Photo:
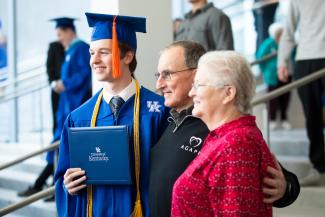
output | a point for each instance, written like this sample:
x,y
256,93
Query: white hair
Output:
x,y
274,29
229,67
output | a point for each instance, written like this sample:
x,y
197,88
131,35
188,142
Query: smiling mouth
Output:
x,y
100,67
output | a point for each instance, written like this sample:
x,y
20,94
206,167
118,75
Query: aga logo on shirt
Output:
x,y
193,145
153,106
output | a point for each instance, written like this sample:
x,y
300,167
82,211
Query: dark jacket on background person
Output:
x,y
55,58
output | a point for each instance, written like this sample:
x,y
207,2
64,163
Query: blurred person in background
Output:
x,y
270,76
307,18
55,58
3,56
264,15
176,24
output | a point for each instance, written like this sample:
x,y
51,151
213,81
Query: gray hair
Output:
x,y
232,68
192,51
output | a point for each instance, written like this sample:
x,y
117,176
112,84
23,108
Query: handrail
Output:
x,y
25,78
53,146
23,93
32,69
295,84
264,58
40,195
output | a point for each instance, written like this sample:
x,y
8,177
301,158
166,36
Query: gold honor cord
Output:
x,y
137,212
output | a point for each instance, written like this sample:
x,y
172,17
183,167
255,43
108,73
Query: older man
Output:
x,y
182,140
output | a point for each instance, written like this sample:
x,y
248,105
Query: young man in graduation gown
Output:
x,y
183,139
121,102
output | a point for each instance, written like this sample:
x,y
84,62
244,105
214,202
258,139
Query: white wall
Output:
x,y
159,32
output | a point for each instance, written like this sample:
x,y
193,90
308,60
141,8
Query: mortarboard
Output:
x,y
118,28
64,22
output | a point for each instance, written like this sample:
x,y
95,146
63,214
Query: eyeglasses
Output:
x,y
196,86
167,74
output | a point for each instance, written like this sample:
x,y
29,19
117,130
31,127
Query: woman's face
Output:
x,y
208,94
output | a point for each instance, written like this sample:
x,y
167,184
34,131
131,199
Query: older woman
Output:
x,y
226,178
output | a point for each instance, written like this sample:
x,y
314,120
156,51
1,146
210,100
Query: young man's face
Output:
x,y
175,88
101,59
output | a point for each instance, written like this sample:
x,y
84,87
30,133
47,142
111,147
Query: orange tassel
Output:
x,y
115,52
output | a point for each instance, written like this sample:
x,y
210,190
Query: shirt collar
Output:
x,y
247,120
198,11
73,42
126,93
178,117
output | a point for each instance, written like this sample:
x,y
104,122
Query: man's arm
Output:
x,y
222,37
282,188
292,190
287,41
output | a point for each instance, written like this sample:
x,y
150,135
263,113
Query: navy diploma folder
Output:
x,y
103,152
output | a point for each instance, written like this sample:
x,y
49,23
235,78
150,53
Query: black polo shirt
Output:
x,y
177,147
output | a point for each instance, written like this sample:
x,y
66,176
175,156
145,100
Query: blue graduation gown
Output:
x,y
108,200
76,77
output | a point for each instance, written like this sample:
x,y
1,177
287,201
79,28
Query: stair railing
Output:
x,y
51,147
33,198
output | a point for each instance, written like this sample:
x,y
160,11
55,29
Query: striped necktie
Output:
x,y
115,103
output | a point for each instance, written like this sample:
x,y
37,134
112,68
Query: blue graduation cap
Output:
x,y
118,28
65,22
126,27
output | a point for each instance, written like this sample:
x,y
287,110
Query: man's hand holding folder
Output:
x,y
74,180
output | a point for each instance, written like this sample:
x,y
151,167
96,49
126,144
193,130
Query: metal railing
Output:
x,y
51,147
280,91
293,85
30,74
23,92
263,59
35,197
